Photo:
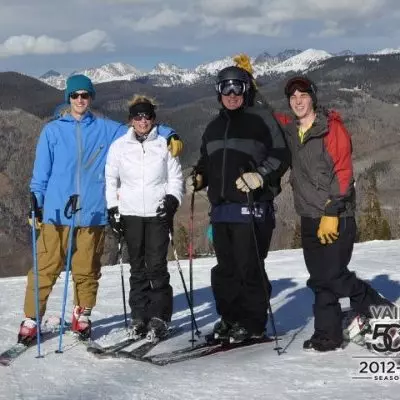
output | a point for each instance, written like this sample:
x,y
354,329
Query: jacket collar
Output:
x,y
131,137
318,128
86,118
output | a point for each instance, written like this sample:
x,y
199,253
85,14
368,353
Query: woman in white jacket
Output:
x,y
150,186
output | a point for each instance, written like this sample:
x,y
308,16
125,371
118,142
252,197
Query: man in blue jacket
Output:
x,y
70,159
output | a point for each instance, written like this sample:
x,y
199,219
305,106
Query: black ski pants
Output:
x,y
330,279
241,290
147,240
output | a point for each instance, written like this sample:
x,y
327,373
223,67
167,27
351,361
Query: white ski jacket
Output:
x,y
139,175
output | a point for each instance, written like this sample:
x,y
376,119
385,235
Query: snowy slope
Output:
x,y
252,373
302,61
388,51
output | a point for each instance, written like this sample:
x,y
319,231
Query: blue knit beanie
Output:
x,y
78,82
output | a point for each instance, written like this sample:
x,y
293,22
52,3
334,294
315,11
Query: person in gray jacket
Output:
x,y
324,197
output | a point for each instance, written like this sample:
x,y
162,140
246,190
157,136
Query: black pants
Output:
x,y
330,278
150,292
240,290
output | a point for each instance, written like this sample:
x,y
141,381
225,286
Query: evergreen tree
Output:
x,y
372,223
296,240
181,241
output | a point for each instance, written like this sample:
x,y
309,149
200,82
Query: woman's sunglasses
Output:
x,y
84,95
140,116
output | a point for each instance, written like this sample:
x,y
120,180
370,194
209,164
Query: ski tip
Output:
x,y
5,362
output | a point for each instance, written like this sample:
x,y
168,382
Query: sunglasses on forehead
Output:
x,y
232,86
140,116
84,95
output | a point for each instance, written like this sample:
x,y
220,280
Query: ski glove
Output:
x,y
167,209
249,181
175,145
328,229
38,218
115,221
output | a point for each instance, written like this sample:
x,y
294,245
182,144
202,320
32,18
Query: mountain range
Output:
x,y
166,75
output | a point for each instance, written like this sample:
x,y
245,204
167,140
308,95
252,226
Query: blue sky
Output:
x,y
39,35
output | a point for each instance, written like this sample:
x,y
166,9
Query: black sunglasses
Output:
x,y
140,116
84,95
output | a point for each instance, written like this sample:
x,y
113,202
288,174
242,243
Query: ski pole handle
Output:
x,y
34,204
71,203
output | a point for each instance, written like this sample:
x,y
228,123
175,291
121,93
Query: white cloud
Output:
x,y
271,18
164,19
332,29
25,44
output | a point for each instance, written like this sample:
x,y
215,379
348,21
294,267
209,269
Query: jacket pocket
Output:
x,y
93,157
41,242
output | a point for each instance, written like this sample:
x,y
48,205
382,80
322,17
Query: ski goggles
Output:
x,y
231,86
140,116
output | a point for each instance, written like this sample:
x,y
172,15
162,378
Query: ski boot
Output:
x,y
221,330
137,328
156,330
27,331
356,327
81,323
238,334
321,344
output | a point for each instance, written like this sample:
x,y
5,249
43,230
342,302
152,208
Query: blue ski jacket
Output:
x,y
70,159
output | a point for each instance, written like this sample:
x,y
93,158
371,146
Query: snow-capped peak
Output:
x,y
169,74
302,61
387,51
213,67
166,69
110,72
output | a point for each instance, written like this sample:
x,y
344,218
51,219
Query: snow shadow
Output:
x,y
386,287
295,313
205,311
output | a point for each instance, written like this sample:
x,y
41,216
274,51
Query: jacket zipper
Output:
x,y
79,165
144,202
224,158
94,156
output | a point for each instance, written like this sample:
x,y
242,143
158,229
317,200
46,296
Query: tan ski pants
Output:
x,y
52,250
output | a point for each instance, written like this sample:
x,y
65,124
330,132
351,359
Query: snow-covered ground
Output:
x,y
256,372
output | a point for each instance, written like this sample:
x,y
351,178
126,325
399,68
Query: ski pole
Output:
x,y
263,272
119,259
198,333
72,203
191,238
35,270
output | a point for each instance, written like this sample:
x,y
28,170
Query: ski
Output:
x,y
48,331
98,350
206,348
140,351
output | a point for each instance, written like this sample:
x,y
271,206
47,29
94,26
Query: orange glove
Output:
x,y
328,229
